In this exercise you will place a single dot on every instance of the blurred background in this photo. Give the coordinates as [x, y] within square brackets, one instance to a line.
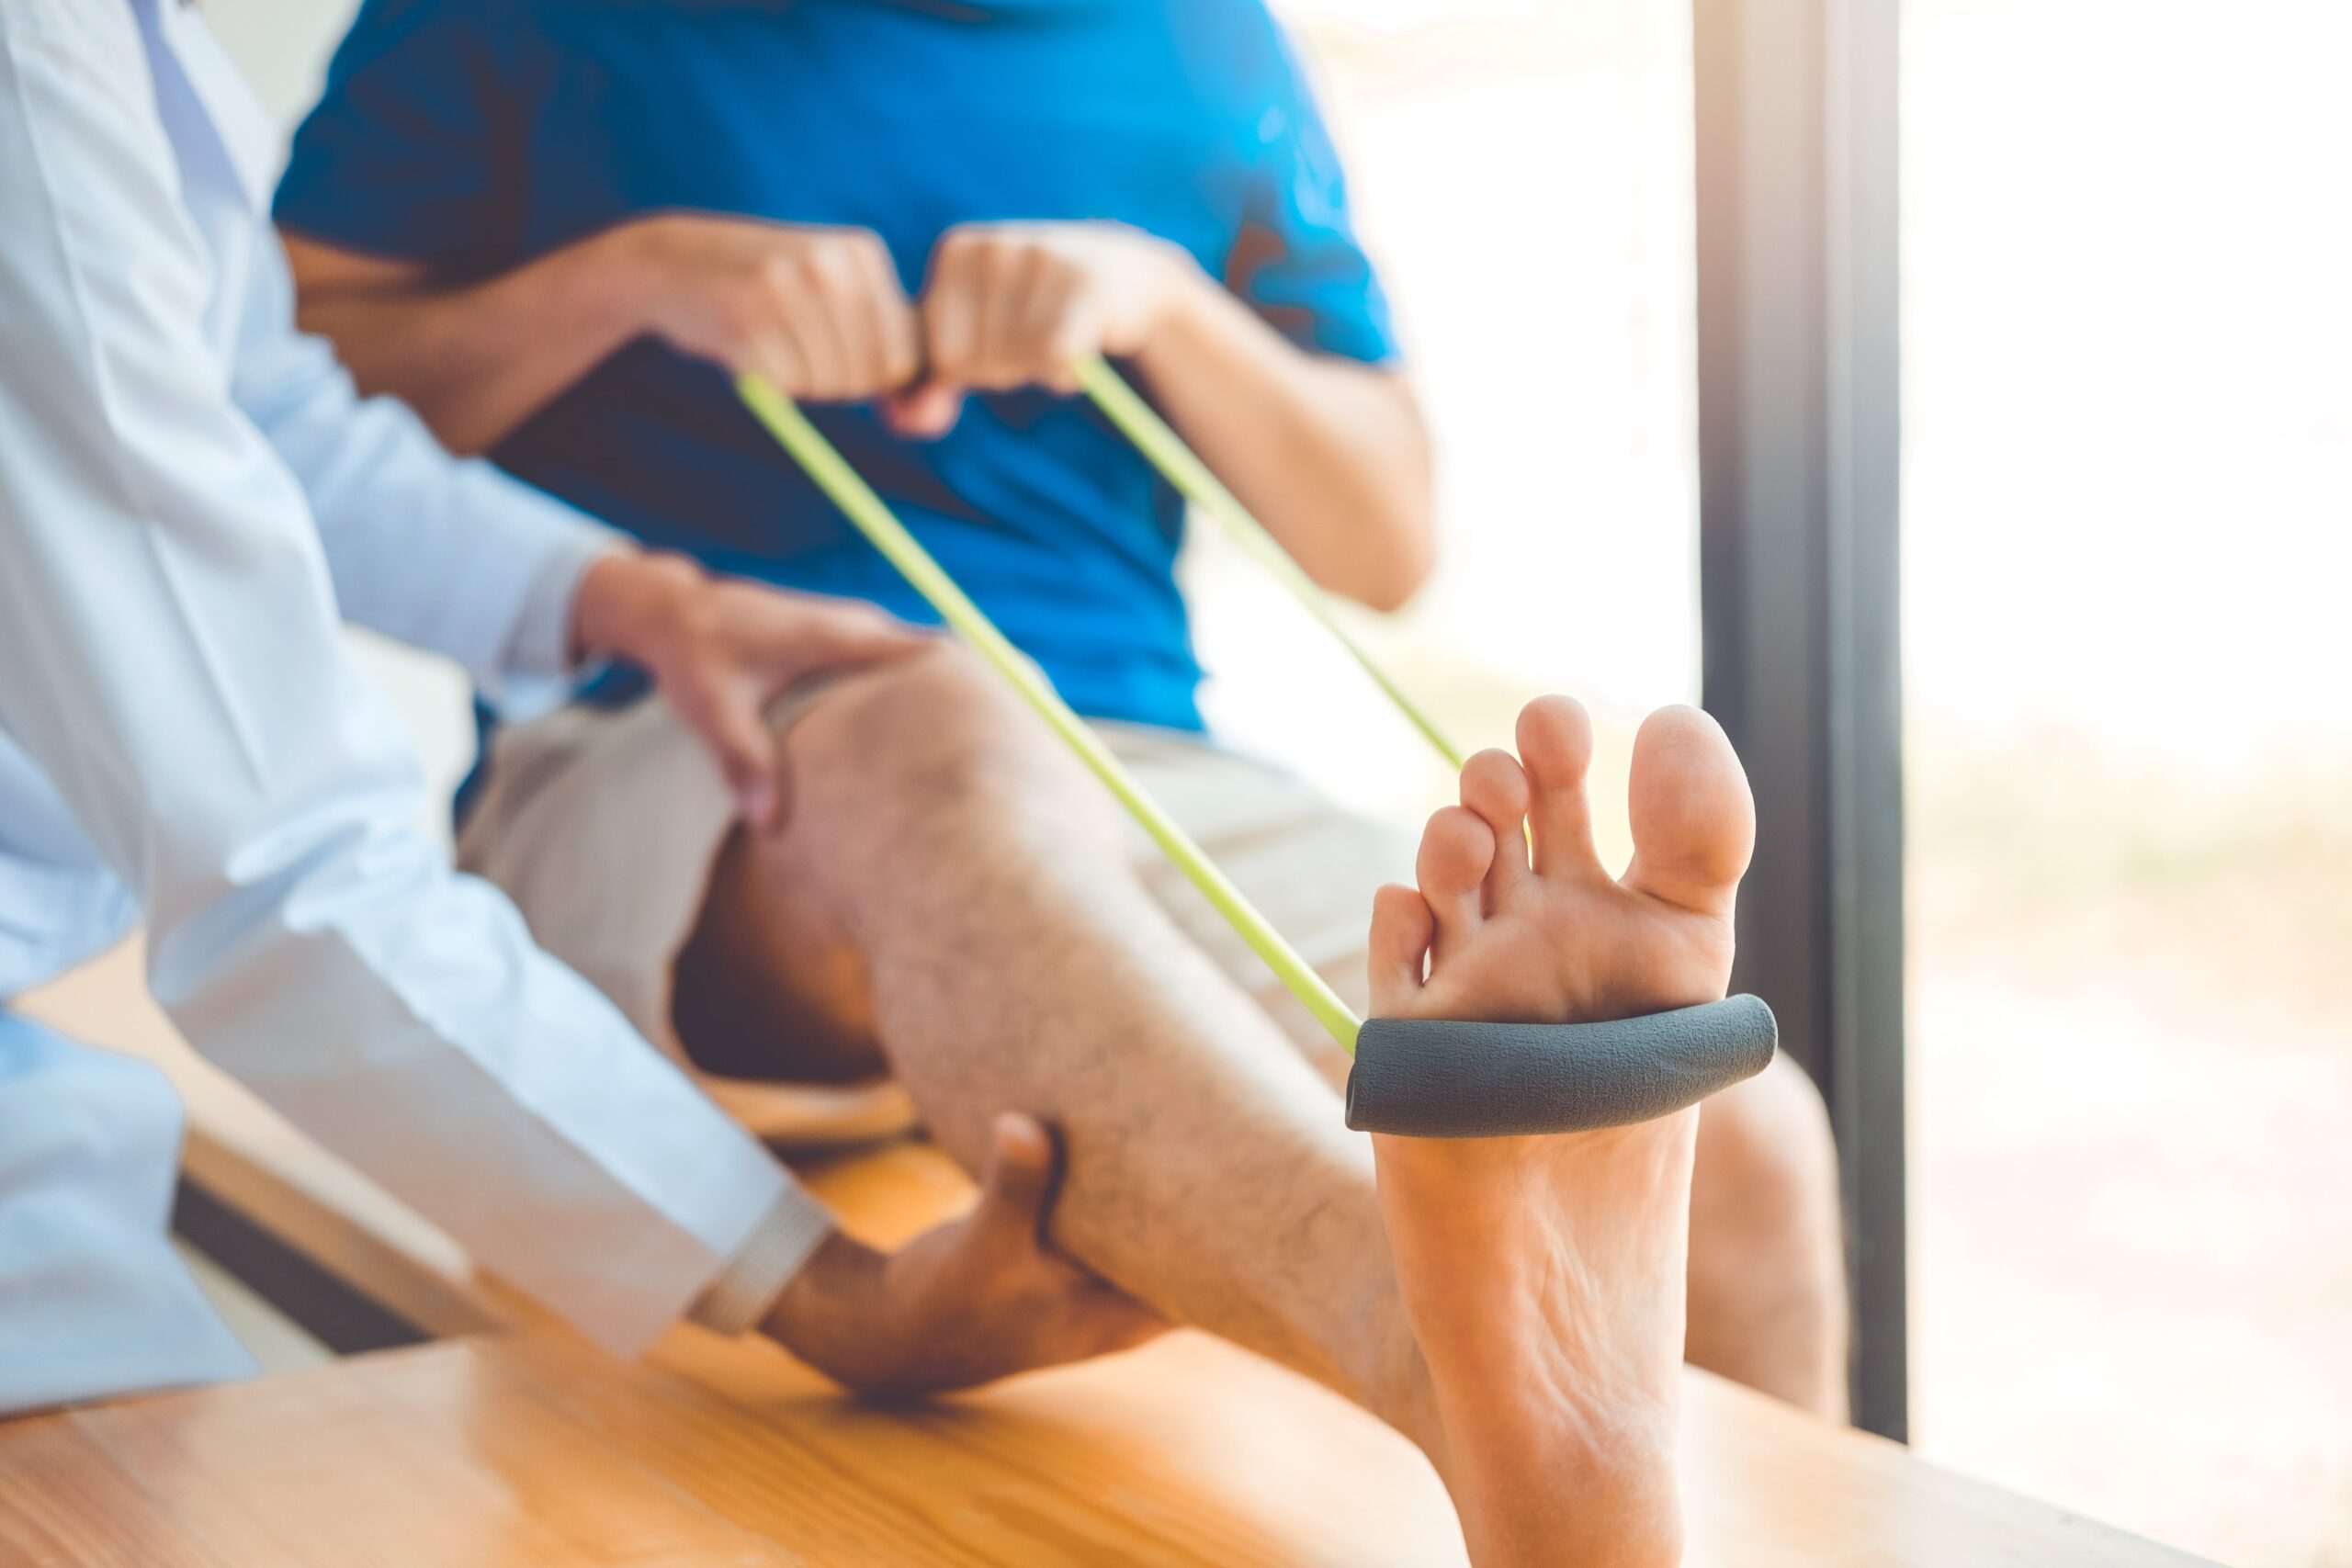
[2127, 530]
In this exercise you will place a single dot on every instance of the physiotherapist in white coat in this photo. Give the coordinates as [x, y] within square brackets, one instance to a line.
[190, 496]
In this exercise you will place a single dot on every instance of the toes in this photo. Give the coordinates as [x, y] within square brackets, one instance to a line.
[1496, 789]
[1402, 929]
[1555, 749]
[1456, 851]
[1694, 820]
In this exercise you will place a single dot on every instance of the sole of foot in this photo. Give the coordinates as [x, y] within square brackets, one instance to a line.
[1543, 1277]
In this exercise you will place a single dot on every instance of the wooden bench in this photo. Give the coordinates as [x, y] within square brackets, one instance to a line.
[513, 1443]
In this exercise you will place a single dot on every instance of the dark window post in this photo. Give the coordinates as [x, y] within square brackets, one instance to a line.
[1798, 438]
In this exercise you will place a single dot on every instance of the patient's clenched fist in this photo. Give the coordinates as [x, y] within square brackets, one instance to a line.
[1012, 305]
[817, 311]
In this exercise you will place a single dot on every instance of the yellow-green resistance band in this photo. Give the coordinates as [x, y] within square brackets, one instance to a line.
[874, 519]
[1165, 450]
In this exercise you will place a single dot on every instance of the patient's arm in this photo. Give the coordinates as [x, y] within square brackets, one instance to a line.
[1331, 453]
[817, 311]
[475, 361]
[1328, 452]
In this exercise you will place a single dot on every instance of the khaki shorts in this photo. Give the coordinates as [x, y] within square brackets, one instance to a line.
[603, 827]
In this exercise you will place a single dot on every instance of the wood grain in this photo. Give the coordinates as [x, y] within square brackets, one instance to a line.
[1765, 1486]
[63, 1500]
[529, 1452]
[532, 1449]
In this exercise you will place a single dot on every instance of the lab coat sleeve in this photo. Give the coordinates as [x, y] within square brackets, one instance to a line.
[169, 657]
[436, 552]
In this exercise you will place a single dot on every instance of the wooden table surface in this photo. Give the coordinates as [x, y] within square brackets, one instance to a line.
[513, 1446]
[527, 1450]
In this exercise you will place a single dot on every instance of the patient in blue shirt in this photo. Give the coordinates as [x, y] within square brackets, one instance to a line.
[558, 227]
[554, 225]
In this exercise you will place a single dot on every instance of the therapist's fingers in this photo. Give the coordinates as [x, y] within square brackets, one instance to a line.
[771, 641]
[818, 636]
[1057, 1311]
[1025, 1167]
[729, 715]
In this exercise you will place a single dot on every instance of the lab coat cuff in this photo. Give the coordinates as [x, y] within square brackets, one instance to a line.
[740, 1298]
[539, 673]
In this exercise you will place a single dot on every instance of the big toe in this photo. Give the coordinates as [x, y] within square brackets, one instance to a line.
[1694, 820]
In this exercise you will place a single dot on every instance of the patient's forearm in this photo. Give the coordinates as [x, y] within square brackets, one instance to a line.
[1330, 455]
[479, 360]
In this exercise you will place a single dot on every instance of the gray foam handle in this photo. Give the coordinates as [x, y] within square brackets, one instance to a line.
[1435, 1079]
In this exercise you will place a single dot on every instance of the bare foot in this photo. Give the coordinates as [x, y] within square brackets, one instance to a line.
[1542, 1277]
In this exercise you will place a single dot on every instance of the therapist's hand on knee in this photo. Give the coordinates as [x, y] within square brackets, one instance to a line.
[721, 649]
[978, 1299]
[817, 311]
[1012, 305]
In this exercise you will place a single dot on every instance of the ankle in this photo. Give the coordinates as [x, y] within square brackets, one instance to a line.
[1573, 1493]
[1402, 1394]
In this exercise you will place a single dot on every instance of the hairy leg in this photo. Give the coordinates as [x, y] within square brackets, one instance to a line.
[1514, 1305]
[757, 995]
[944, 851]
[949, 871]
[753, 997]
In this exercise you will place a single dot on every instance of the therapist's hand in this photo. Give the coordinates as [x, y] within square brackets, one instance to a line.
[721, 649]
[981, 1298]
[1016, 304]
[817, 311]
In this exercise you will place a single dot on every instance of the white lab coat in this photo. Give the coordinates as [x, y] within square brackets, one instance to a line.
[189, 491]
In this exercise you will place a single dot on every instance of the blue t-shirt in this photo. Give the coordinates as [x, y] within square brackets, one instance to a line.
[474, 135]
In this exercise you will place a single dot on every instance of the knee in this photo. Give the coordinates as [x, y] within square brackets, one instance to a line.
[923, 732]
[1767, 1160]
[932, 711]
